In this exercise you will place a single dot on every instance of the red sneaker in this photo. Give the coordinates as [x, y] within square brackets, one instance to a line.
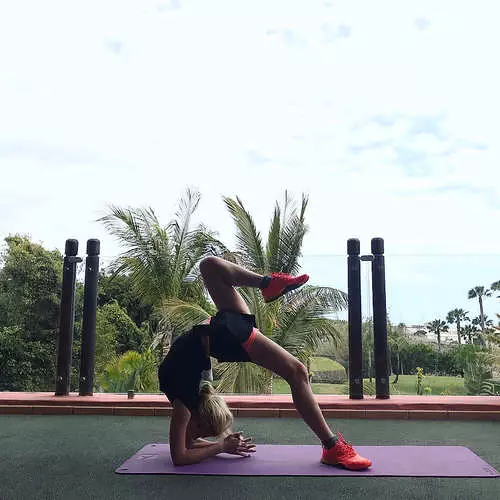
[280, 284]
[344, 454]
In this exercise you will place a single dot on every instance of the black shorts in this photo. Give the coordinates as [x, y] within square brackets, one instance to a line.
[228, 331]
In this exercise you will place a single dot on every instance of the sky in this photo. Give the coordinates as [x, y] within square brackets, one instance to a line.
[384, 112]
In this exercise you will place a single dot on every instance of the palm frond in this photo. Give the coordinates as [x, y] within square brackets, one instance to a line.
[147, 250]
[249, 242]
[292, 235]
[182, 316]
[242, 377]
[273, 242]
[184, 240]
[302, 322]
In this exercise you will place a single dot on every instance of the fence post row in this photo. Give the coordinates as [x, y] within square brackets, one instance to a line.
[67, 318]
[355, 319]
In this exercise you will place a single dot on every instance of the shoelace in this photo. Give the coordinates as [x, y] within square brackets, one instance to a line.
[345, 448]
[280, 275]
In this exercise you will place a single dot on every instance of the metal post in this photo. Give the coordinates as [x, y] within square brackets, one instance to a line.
[87, 352]
[354, 319]
[67, 318]
[380, 319]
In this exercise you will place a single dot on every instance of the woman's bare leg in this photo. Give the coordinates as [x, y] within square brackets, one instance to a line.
[266, 353]
[220, 278]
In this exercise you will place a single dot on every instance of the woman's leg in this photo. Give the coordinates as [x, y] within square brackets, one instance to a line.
[266, 353]
[220, 278]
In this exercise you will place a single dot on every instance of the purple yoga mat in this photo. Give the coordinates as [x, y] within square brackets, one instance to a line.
[303, 460]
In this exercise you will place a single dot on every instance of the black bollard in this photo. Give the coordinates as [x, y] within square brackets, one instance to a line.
[67, 318]
[87, 353]
[354, 319]
[380, 320]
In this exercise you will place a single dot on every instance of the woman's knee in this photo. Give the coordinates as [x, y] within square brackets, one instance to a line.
[208, 265]
[298, 374]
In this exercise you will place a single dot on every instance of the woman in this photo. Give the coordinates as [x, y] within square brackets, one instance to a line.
[232, 335]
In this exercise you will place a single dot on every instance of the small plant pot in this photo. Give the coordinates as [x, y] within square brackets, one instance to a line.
[130, 394]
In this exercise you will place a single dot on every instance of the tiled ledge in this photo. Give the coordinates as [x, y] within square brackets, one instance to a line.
[333, 406]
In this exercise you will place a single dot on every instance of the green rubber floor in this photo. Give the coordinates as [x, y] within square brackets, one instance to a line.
[74, 457]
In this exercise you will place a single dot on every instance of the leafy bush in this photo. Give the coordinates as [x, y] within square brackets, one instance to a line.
[131, 371]
[477, 371]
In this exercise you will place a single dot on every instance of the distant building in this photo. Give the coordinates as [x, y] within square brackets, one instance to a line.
[415, 332]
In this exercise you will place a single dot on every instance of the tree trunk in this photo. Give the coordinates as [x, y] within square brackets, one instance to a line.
[481, 312]
[458, 332]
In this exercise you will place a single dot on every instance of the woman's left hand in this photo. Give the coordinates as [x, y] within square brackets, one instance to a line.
[244, 448]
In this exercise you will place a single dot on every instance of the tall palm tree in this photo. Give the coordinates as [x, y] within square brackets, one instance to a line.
[162, 260]
[437, 327]
[457, 316]
[479, 292]
[298, 321]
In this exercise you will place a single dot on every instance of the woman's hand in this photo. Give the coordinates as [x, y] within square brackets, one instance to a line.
[235, 444]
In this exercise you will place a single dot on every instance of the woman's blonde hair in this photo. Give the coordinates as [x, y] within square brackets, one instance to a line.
[213, 410]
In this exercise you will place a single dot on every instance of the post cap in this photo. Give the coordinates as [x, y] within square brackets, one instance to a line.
[377, 246]
[353, 246]
[71, 247]
[93, 247]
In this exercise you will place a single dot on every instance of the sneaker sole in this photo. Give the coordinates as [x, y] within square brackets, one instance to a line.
[287, 289]
[345, 467]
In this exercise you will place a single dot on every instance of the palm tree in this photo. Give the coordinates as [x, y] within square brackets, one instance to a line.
[457, 316]
[479, 292]
[486, 322]
[469, 331]
[437, 327]
[162, 260]
[298, 321]
[397, 342]
[496, 287]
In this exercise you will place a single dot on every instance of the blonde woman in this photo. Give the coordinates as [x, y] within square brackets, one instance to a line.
[232, 336]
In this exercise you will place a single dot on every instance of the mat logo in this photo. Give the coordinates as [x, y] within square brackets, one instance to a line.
[147, 457]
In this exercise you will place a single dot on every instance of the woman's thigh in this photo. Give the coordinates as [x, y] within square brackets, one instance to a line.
[266, 353]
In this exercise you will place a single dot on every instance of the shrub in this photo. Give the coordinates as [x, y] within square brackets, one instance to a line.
[420, 380]
[477, 371]
[131, 371]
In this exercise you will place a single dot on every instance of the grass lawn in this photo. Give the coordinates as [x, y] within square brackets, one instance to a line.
[281, 387]
[320, 364]
[406, 385]
[454, 385]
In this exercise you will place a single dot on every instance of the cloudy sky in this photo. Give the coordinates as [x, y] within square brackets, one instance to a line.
[384, 112]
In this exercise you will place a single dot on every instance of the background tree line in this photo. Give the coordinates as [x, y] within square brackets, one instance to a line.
[153, 292]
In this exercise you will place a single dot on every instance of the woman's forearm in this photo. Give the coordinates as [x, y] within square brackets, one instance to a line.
[200, 443]
[195, 455]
